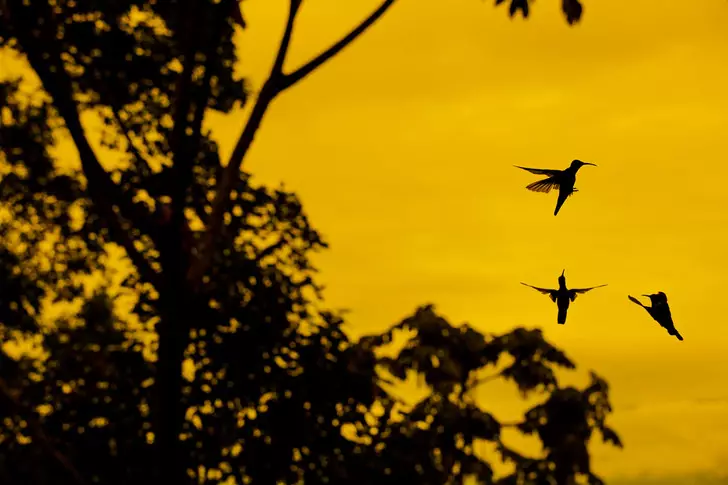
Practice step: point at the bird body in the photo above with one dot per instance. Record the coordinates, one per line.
(562, 297)
(563, 179)
(660, 312)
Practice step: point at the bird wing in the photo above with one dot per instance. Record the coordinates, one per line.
(545, 291)
(540, 171)
(544, 185)
(575, 291)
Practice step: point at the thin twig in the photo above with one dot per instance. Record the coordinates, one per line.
(315, 63)
(274, 85)
(132, 147)
(231, 173)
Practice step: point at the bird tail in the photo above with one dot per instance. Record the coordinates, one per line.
(560, 201)
(679, 337)
(561, 318)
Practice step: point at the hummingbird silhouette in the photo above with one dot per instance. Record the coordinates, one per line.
(563, 179)
(563, 296)
(660, 312)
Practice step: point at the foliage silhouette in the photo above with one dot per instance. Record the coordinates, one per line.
(221, 282)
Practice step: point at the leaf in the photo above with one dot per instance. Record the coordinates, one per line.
(610, 436)
(477, 468)
(573, 10)
(595, 480)
(482, 425)
(517, 5)
(394, 367)
(529, 375)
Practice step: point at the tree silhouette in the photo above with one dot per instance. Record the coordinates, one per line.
(227, 368)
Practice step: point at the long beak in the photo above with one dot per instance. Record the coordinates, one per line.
(592, 164)
(647, 296)
(562, 272)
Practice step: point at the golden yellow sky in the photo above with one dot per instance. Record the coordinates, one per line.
(403, 147)
(402, 150)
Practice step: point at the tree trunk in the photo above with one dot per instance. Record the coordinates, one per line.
(170, 412)
(179, 311)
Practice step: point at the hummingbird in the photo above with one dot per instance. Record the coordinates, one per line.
(660, 311)
(563, 179)
(563, 296)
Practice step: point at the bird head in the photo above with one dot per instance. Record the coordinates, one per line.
(658, 297)
(577, 164)
(562, 278)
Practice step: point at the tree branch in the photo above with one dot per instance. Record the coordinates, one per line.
(315, 63)
(231, 172)
(173, 327)
(185, 139)
(119, 234)
(132, 148)
(123, 127)
(101, 189)
(467, 387)
(275, 84)
(286, 39)
(511, 425)
(183, 87)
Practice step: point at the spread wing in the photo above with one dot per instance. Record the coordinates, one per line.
(540, 171)
(575, 291)
(544, 185)
(545, 291)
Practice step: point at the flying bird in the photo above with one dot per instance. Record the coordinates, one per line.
(563, 296)
(660, 312)
(563, 179)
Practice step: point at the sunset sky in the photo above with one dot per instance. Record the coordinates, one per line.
(402, 150)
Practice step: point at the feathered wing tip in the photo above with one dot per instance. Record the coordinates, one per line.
(540, 171)
(544, 186)
(546, 291)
